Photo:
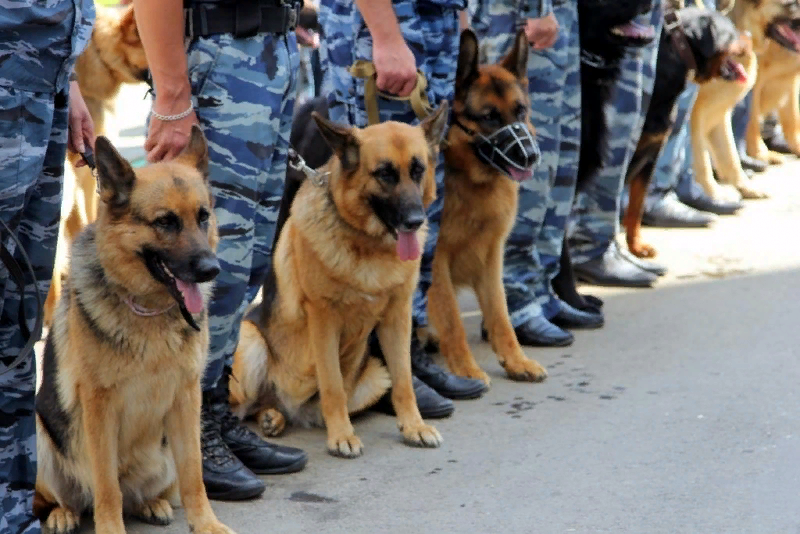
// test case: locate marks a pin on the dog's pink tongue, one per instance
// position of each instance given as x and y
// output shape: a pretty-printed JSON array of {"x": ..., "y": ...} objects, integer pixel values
[
  {"x": 741, "y": 74},
  {"x": 192, "y": 298},
  {"x": 407, "y": 246},
  {"x": 520, "y": 176}
]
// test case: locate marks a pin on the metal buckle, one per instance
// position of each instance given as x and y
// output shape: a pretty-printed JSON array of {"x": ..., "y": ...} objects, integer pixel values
[
  {"x": 294, "y": 14},
  {"x": 297, "y": 163}
]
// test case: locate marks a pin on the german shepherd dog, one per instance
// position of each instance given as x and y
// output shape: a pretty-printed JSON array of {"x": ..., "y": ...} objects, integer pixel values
[
  {"x": 775, "y": 27},
  {"x": 608, "y": 29},
  {"x": 488, "y": 151},
  {"x": 346, "y": 262},
  {"x": 114, "y": 56},
  {"x": 715, "y": 45},
  {"x": 118, "y": 408}
]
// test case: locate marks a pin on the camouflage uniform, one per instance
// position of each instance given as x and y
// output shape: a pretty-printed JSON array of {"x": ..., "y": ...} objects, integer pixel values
[
  {"x": 596, "y": 214},
  {"x": 39, "y": 43},
  {"x": 430, "y": 28},
  {"x": 533, "y": 249},
  {"x": 244, "y": 92}
]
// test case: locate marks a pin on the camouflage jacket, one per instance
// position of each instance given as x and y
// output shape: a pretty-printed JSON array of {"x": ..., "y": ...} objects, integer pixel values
[
  {"x": 520, "y": 10},
  {"x": 40, "y": 41}
]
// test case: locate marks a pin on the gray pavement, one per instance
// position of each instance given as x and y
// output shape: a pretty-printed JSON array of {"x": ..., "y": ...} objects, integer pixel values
[{"x": 679, "y": 416}]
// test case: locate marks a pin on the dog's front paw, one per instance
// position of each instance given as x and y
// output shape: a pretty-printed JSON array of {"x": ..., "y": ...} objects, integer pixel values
[
  {"x": 750, "y": 192},
  {"x": 775, "y": 158},
  {"x": 345, "y": 446},
  {"x": 643, "y": 250},
  {"x": 155, "y": 512},
  {"x": 61, "y": 521},
  {"x": 726, "y": 193},
  {"x": 524, "y": 370},
  {"x": 421, "y": 435},
  {"x": 470, "y": 369},
  {"x": 272, "y": 422},
  {"x": 212, "y": 527}
]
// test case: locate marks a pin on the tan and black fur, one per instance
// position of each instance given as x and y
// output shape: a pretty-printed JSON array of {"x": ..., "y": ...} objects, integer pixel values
[
  {"x": 118, "y": 407},
  {"x": 778, "y": 83},
  {"x": 337, "y": 275},
  {"x": 114, "y": 56},
  {"x": 480, "y": 206}
]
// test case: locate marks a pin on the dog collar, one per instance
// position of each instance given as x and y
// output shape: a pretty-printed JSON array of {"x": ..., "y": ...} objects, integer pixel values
[
  {"x": 145, "y": 312},
  {"x": 672, "y": 23}
]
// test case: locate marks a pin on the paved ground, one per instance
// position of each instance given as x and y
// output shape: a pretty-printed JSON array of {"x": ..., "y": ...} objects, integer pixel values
[{"x": 680, "y": 416}]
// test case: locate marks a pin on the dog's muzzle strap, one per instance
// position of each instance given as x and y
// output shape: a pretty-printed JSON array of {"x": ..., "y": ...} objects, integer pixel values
[{"x": 418, "y": 98}]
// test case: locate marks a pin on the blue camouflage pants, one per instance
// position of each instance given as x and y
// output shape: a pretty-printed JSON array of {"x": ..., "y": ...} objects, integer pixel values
[
  {"x": 595, "y": 221},
  {"x": 432, "y": 34},
  {"x": 33, "y": 145},
  {"x": 674, "y": 167},
  {"x": 244, "y": 92},
  {"x": 533, "y": 249}
]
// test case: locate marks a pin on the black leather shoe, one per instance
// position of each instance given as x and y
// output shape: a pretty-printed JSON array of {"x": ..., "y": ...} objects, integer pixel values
[
  {"x": 444, "y": 383},
  {"x": 647, "y": 265},
  {"x": 669, "y": 212},
  {"x": 777, "y": 143},
  {"x": 538, "y": 332},
  {"x": 750, "y": 163},
  {"x": 702, "y": 202},
  {"x": 225, "y": 477},
  {"x": 569, "y": 317},
  {"x": 261, "y": 457},
  {"x": 611, "y": 269},
  {"x": 431, "y": 405}
]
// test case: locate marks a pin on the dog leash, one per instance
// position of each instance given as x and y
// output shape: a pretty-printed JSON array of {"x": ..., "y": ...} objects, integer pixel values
[
  {"x": 418, "y": 98},
  {"x": 297, "y": 163},
  {"x": 672, "y": 23}
]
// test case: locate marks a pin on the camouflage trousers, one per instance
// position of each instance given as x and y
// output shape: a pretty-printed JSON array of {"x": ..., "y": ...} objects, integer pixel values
[
  {"x": 533, "y": 249},
  {"x": 244, "y": 92},
  {"x": 432, "y": 34},
  {"x": 33, "y": 145},
  {"x": 595, "y": 220},
  {"x": 674, "y": 166}
]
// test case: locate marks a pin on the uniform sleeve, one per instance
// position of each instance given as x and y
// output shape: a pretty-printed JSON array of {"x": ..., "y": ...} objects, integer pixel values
[{"x": 534, "y": 9}]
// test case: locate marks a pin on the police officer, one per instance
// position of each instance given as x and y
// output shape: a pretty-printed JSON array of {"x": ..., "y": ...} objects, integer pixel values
[
  {"x": 230, "y": 66},
  {"x": 596, "y": 256},
  {"x": 533, "y": 249},
  {"x": 42, "y": 114},
  {"x": 398, "y": 37}
]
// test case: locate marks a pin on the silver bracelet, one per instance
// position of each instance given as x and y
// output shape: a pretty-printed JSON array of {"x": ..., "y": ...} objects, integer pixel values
[{"x": 179, "y": 116}]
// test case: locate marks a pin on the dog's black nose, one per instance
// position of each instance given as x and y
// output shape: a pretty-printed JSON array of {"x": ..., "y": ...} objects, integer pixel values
[
  {"x": 205, "y": 268},
  {"x": 412, "y": 221}
]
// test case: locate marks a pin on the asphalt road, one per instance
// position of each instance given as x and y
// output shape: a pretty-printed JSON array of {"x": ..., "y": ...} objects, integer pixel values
[{"x": 679, "y": 416}]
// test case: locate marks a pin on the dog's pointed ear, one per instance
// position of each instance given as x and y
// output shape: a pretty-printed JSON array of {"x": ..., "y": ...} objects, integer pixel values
[
  {"x": 341, "y": 139},
  {"x": 128, "y": 27},
  {"x": 467, "y": 66},
  {"x": 196, "y": 152},
  {"x": 516, "y": 61},
  {"x": 114, "y": 173},
  {"x": 435, "y": 125}
]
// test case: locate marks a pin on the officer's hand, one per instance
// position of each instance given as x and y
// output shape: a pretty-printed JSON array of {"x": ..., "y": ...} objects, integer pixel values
[
  {"x": 166, "y": 139},
  {"x": 80, "y": 126},
  {"x": 395, "y": 66},
  {"x": 542, "y": 32}
]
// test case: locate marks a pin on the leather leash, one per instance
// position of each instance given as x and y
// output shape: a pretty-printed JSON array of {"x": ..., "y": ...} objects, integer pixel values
[{"x": 419, "y": 98}]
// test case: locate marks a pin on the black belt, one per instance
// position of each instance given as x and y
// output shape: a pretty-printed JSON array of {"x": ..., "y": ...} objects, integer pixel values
[{"x": 244, "y": 19}]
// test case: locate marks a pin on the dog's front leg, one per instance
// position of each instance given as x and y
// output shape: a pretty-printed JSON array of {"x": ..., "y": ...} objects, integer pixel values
[
  {"x": 182, "y": 426},
  {"x": 394, "y": 335},
  {"x": 756, "y": 148},
  {"x": 101, "y": 427},
  {"x": 492, "y": 299},
  {"x": 789, "y": 115},
  {"x": 323, "y": 331}
]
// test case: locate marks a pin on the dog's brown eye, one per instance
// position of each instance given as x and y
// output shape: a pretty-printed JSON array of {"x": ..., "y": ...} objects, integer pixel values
[
  {"x": 169, "y": 222},
  {"x": 202, "y": 216},
  {"x": 386, "y": 173},
  {"x": 416, "y": 170},
  {"x": 492, "y": 116}
]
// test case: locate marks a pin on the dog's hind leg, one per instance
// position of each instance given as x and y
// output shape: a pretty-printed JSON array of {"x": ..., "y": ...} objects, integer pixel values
[
  {"x": 789, "y": 115},
  {"x": 492, "y": 299},
  {"x": 756, "y": 147},
  {"x": 565, "y": 286},
  {"x": 445, "y": 317},
  {"x": 726, "y": 159},
  {"x": 372, "y": 384}
]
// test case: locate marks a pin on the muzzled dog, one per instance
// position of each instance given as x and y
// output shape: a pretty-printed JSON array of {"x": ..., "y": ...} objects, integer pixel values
[
  {"x": 490, "y": 148},
  {"x": 118, "y": 409},
  {"x": 346, "y": 263}
]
